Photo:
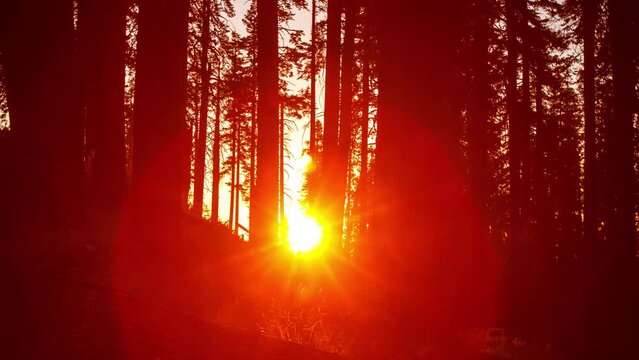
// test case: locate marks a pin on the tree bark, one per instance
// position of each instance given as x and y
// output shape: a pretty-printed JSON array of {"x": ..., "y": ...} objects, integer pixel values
[
  {"x": 514, "y": 126},
  {"x": 478, "y": 116},
  {"x": 160, "y": 136},
  {"x": 620, "y": 139},
  {"x": 420, "y": 250},
  {"x": 233, "y": 167},
  {"x": 40, "y": 64},
  {"x": 525, "y": 113},
  {"x": 200, "y": 144},
  {"x": 619, "y": 337},
  {"x": 330, "y": 157},
  {"x": 312, "y": 174},
  {"x": 346, "y": 115},
  {"x": 282, "y": 215},
  {"x": 363, "y": 174},
  {"x": 512, "y": 309},
  {"x": 215, "y": 182},
  {"x": 263, "y": 211},
  {"x": 589, "y": 8},
  {"x": 313, "y": 127},
  {"x": 103, "y": 43}
]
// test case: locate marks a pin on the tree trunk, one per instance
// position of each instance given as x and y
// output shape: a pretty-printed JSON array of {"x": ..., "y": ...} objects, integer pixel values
[
  {"x": 313, "y": 128},
  {"x": 312, "y": 175},
  {"x": 238, "y": 163},
  {"x": 478, "y": 116},
  {"x": 346, "y": 115},
  {"x": 263, "y": 209},
  {"x": 282, "y": 215},
  {"x": 330, "y": 157},
  {"x": 514, "y": 126},
  {"x": 103, "y": 42},
  {"x": 363, "y": 173},
  {"x": 233, "y": 163},
  {"x": 590, "y": 281},
  {"x": 589, "y": 8},
  {"x": 543, "y": 211},
  {"x": 525, "y": 118},
  {"x": 215, "y": 182},
  {"x": 253, "y": 143},
  {"x": 619, "y": 307},
  {"x": 160, "y": 136},
  {"x": 620, "y": 129},
  {"x": 512, "y": 309},
  {"x": 419, "y": 247},
  {"x": 200, "y": 144},
  {"x": 43, "y": 88}
]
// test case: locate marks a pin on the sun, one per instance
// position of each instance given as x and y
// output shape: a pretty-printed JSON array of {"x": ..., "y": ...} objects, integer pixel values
[{"x": 304, "y": 233}]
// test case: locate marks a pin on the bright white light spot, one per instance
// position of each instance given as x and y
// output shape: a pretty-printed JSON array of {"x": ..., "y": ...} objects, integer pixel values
[{"x": 304, "y": 233}]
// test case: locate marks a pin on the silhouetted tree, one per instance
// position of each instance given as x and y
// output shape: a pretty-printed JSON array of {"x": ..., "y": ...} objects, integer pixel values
[
  {"x": 330, "y": 188},
  {"x": 514, "y": 125},
  {"x": 618, "y": 312},
  {"x": 103, "y": 43},
  {"x": 40, "y": 63},
  {"x": 208, "y": 31},
  {"x": 346, "y": 114},
  {"x": 479, "y": 106},
  {"x": 263, "y": 211},
  {"x": 160, "y": 138},
  {"x": 203, "y": 116},
  {"x": 367, "y": 99},
  {"x": 589, "y": 15},
  {"x": 422, "y": 255}
]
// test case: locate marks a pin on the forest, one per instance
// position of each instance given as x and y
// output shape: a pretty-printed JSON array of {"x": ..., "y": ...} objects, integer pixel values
[{"x": 319, "y": 179}]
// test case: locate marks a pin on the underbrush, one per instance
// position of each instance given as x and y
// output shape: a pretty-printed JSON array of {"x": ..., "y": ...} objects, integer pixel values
[
  {"x": 304, "y": 319},
  {"x": 496, "y": 344}
]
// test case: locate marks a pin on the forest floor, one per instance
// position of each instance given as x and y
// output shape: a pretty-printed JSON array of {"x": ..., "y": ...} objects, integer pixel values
[{"x": 61, "y": 303}]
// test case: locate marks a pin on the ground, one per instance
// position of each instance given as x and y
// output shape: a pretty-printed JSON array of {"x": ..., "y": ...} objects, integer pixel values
[{"x": 60, "y": 303}]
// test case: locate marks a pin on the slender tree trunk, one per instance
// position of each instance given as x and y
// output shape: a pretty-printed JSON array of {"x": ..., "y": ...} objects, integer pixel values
[
  {"x": 330, "y": 157},
  {"x": 200, "y": 145},
  {"x": 363, "y": 174},
  {"x": 589, "y": 8},
  {"x": 513, "y": 311},
  {"x": 253, "y": 143},
  {"x": 525, "y": 114},
  {"x": 479, "y": 137},
  {"x": 233, "y": 184},
  {"x": 238, "y": 163},
  {"x": 263, "y": 209},
  {"x": 590, "y": 279},
  {"x": 281, "y": 169},
  {"x": 542, "y": 209},
  {"x": 512, "y": 103},
  {"x": 346, "y": 115},
  {"x": 312, "y": 175},
  {"x": 478, "y": 117},
  {"x": 313, "y": 128},
  {"x": 253, "y": 129},
  {"x": 527, "y": 299},
  {"x": 215, "y": 182}
]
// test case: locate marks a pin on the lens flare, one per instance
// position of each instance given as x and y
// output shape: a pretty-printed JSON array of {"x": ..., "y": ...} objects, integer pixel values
[{"x": 304, "y": 233}]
